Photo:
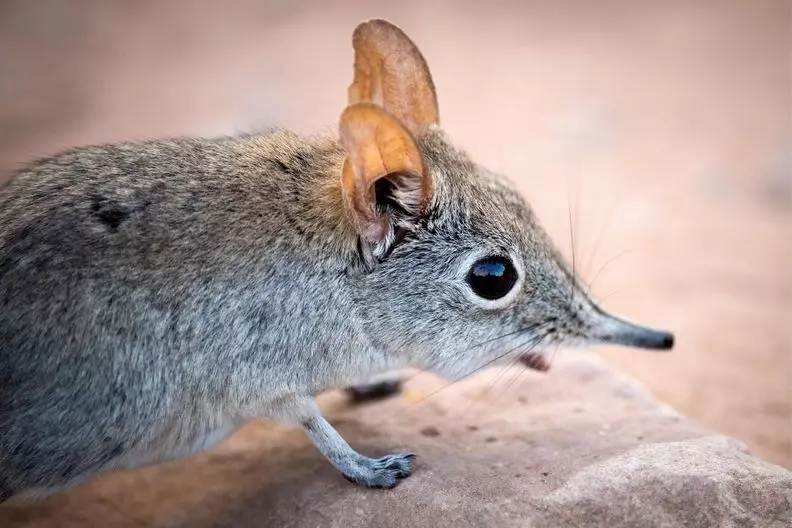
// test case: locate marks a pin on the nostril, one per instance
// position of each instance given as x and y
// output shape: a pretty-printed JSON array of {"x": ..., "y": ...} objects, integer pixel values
[
  {"x": 639, "y": 337},
  {"x": 653, "y": 339}
]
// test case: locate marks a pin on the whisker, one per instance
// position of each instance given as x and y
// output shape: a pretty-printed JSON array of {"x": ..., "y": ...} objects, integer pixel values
[
  {"x": 459, "y": 417},
  {"x": 601, "y": 233},
  {"x": 464, "y": 377},
  {"x": 529, "y": 328},
  {"x": 485, "y": 365},
  {"x": 519, "y": 372},
  {"x": 501, "y": 373},
  {"x": 550, "y": 361},
  {"x": 489, "y": 386},
  {"x": 539, "y": 338},
  {"x": 509, "y": 384},
  {"x": 572, "y": 244},
  {"x": 611, "y": 294},
  {"x": 608, "y": 262}
]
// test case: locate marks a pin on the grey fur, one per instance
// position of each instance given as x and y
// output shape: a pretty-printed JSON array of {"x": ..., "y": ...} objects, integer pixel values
[{"x": 156, "y": 296}]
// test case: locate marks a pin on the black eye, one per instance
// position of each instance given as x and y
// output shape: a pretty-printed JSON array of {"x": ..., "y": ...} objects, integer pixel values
[{"x": 492, "y": 277}]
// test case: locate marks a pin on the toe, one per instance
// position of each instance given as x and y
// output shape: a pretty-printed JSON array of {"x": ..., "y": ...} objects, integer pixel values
[
  {"x": 385, "y": 472},
  {"x": 401, "y": 464}
]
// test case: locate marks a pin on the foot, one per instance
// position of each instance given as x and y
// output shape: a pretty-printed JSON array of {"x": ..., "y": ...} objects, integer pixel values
[
  {"x": 535, "y": 361},
  {"x": 374, "y": 391},
  {"x": 383, "y": 472}
]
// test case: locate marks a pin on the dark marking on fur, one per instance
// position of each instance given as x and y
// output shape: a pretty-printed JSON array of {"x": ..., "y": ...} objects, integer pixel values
[
  {"x": 112, "y": 217},
  {"x": 113, "y": 214}
]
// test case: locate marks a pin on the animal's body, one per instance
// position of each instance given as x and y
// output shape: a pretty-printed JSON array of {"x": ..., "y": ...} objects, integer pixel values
[{"x": 156, "y": 296}]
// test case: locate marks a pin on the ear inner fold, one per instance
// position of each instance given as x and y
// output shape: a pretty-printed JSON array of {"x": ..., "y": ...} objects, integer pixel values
[
  {"x": 378, "y": 146},
  {"x": 391, "y": 72}
]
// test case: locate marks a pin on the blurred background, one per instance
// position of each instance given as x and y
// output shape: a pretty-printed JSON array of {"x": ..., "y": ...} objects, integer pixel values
[{"x": 664, "y": 128}]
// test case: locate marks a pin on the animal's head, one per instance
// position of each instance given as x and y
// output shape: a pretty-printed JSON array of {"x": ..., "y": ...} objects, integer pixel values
[{"x": 462, "y": 272}]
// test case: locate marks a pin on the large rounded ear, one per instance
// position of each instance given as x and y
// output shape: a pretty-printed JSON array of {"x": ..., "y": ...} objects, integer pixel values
[
  {"x": 384, "y": 181},
  {"x": 392, "y": 73}
]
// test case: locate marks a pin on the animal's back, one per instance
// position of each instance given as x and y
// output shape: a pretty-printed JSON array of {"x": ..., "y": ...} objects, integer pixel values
[{"x": 121, "y": 263}]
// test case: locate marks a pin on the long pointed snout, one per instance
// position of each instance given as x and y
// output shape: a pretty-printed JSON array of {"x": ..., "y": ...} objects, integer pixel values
[{"x": 611, "y": 329}]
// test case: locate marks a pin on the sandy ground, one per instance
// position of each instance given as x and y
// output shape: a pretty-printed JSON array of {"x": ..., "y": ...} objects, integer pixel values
[{"x": 665, "y": 127}]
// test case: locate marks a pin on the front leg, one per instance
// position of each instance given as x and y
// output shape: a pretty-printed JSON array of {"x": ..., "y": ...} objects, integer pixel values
[{"x": 382, "y": 472}]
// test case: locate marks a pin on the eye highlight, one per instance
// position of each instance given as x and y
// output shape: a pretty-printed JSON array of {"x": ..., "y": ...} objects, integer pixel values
[{"x": 492, "y": 278}]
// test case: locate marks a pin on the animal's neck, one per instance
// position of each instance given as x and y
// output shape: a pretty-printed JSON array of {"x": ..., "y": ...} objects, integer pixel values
[{"x": 301, "y": 178}]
